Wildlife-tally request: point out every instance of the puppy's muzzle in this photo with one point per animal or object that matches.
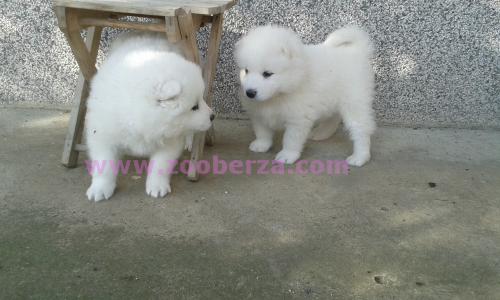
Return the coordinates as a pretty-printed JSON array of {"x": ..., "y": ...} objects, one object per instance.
[{"x": 251, "y": 93}]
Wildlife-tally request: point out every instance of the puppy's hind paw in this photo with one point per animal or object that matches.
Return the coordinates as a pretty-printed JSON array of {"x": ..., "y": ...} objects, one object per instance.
[
  {"x": 100, "y": 190},
  {"x": 358, "y": 160},
  {"x": 287, "y": 156},
  {"x": 260, "y": 145}
]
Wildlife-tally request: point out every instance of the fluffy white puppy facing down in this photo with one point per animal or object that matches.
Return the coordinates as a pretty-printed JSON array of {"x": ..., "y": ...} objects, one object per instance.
[
  {"x": 144, "y": 100},
  {"x": 306, "y": 89}
]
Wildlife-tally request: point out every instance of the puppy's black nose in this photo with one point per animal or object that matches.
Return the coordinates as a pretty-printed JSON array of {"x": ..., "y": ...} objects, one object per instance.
[
  {"x": 251, "y": 93},
  {"x": 212, "y": 117}
]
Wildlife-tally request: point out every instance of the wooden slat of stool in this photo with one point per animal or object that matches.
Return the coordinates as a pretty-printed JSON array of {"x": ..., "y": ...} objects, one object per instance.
[{"x": 109, "y": 22}]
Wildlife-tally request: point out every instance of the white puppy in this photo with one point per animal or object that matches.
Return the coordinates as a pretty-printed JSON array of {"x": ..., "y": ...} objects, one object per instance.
[
  {"x": 144, "y": 101},
  {"x": 306, "y": 89}
]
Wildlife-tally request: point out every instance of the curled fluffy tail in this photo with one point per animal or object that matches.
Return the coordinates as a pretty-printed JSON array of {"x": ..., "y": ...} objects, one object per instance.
[{"x": 351, "y": 36}]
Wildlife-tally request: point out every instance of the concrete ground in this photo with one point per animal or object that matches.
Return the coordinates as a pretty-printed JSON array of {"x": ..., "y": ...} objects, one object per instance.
[{"x": 420, "y": 221}]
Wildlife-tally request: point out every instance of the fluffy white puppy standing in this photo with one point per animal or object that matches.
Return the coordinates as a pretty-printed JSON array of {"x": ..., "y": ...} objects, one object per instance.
[
  {"x": 144, "y": 100},
  {"x": 307, "y": 89}
]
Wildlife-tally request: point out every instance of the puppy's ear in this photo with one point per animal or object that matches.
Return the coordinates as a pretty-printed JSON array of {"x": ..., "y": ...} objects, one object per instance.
[
  {"x": 169, "y": 90},
  {"x": 167, "y": 93}
]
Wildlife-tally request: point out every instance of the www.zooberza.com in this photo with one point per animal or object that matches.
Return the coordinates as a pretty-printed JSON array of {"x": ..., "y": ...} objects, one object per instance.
[{"x": 217, "y": 166}]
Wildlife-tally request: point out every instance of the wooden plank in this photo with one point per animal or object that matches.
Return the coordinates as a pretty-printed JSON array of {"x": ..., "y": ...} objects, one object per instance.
[
  {"x": 75, "y": 125},
  {"x": 103, "y": 22},
  {"x": 117, "y": 15},
  {"x": 151, "y": 7}
]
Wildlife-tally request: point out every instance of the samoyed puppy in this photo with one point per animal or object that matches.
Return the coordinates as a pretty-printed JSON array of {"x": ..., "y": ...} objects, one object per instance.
[
  {"x": 144, "y": 101},
  {"x": 306, "y": 90}
]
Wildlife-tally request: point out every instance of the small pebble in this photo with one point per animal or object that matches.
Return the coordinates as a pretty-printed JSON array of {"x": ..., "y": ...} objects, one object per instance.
[{"x": 432, "y": 184}]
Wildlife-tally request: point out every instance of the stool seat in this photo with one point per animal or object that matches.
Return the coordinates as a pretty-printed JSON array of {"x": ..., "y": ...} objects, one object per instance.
[{"x": 150, "y": 7}]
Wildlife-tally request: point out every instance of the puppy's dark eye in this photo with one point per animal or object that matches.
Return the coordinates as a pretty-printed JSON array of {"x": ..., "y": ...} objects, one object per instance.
[
  {"x": 267, "y": 74},
  {"x": 246, "y": 71},
  {"x": 196, "y": 107}
]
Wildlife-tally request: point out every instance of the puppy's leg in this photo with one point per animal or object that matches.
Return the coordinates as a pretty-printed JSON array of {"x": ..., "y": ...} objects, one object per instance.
[
  {"x": 293, "y": 142},
  {"x": 263, "y": 137},
  {"x": 325, "y": 129},
  {"x": 188, "y": 145},
  {"x": 104, "y": 170},
  {"x": 160, "y": 169},
  {"x": 359, "y": 121}
]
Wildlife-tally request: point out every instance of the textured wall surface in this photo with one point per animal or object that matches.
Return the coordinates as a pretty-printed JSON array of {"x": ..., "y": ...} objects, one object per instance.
[{"x": 437, "y": 62}]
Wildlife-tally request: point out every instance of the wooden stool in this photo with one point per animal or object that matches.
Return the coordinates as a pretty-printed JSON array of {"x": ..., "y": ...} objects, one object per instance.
[{"x": 180, "y": 20}]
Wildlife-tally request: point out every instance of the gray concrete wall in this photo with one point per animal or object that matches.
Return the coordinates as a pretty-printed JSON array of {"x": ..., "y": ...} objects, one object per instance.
[{"x": 437, "y": 62}]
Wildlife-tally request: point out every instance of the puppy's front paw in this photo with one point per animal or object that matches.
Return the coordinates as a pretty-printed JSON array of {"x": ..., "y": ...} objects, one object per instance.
[
  {"x": 287, "y": 156},
  {"x": 188, "y": 145},
  {"x": 358, "y": 160},
  {"x": 260, "y": 145},
  {"x": 157, "y": 187},
  {"x": 100, "y": 190}
]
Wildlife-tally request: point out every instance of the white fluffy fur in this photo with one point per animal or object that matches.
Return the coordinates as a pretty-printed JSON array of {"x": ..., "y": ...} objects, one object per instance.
[
  {"x": 140, "y": 103},
  {"x": 312, "y": 88}
]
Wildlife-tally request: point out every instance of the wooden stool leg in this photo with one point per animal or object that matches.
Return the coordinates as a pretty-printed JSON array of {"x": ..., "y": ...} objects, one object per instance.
[
  {"x": 192, "y": 52},
  {"x": 190, "y": 47},
  {"x": 85, "y": 54},
  {"x": 182, "y": 28},
  {"x": 76, "y": 121},
  {"x": 210, "y": 136},
  {"x": 209, "y": 69}
]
